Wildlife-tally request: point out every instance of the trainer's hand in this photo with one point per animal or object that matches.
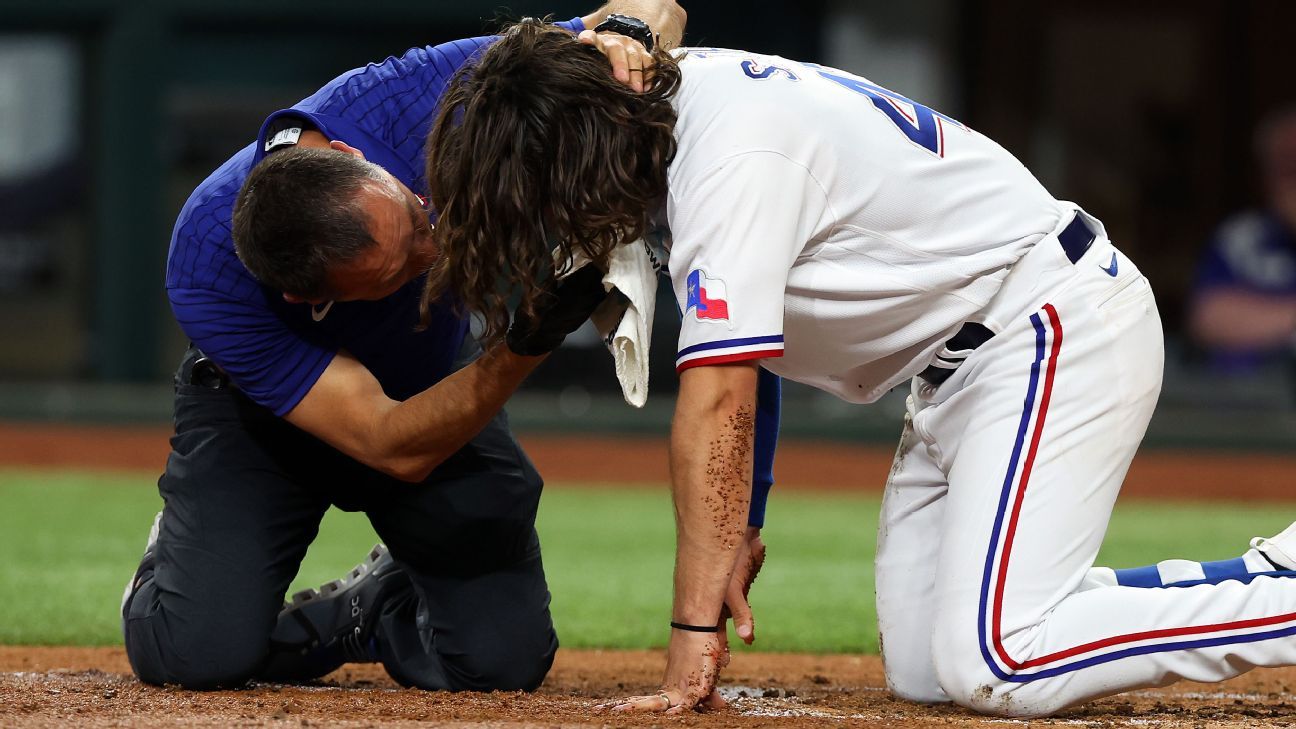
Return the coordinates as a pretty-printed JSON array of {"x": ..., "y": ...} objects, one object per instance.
[
  {"x": 751, "y": 556},
  {"x": 559, "y": 312},
  {"x": 632, "y": 64},
  {"x": 692, "y": 667}
]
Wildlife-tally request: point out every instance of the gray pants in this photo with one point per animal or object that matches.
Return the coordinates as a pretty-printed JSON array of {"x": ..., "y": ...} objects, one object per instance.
[{"x": 245, "y": 492}]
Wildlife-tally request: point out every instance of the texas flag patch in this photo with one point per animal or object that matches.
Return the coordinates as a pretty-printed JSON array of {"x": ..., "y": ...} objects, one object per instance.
[{"x": 707, "y": 297}]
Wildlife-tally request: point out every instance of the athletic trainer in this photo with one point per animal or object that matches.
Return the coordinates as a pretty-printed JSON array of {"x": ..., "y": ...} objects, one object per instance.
[{"x": 310, "y": 382}]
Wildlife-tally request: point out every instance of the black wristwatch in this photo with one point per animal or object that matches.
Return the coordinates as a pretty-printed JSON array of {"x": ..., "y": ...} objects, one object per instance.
[{"x": 629, "y": 27}]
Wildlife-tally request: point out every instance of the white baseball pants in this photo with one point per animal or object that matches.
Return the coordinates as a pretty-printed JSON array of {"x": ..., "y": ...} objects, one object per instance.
[{"x": 1000, "y": 495}]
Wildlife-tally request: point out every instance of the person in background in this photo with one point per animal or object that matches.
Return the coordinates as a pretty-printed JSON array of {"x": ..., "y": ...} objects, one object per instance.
[{"x": 1244, "y": 308}]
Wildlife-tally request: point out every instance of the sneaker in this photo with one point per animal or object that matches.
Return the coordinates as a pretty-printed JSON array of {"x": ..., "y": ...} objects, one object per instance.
[
  {"x": 320, "y": 629},
  {"x": 145, "y": 566},
  {"x": 1279, "y": 550}
]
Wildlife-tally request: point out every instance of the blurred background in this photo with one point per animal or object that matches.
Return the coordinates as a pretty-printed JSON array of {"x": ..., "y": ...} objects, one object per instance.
[
  {"x": 1145, "y": 113},
  {"x": 1163, "y": 118}
]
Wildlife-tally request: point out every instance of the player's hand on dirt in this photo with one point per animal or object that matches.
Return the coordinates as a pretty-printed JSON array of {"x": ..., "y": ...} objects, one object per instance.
[
  {"x": 693, "y": 665},
  {"x": 751, "y": 556},
  {"x": 632, "y": 64},
  {"x": 559, "y": 312}
]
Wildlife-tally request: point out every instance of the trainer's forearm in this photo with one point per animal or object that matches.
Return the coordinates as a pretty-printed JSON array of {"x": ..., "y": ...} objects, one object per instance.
[
  {"x": 711, "y": 466},
  {"x": 665, "y": 17},
  {"x": 417, "y": 435}
]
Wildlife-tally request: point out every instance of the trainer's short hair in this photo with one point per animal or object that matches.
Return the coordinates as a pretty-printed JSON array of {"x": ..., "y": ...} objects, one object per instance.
[{"x": 296, "y": 217}]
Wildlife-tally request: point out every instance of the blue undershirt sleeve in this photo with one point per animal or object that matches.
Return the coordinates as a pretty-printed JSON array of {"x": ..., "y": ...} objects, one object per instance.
[
  {"x": 574, "y": 25},
  {"x": 769, "y": 396}
]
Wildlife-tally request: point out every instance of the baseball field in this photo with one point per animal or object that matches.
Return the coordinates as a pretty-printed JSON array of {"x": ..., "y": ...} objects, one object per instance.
[{"x": 77, "y": 503}]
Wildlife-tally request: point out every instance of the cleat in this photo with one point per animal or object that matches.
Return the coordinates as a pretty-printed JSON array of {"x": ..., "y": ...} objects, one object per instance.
[
  {"x": 146, "y": 566},
  {"x": 320, "y": 629},
  {"x": 1280, "y": 550}
]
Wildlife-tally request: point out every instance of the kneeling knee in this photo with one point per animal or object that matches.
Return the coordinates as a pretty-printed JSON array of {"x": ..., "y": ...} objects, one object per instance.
[
  {"x": 993, "y": 691},
  {"x": 525, "y": 674},
  {"x": 515, "y": 670},
  {"x": 511, "y": 668},
  {"x": 203, "y": 673},
  {"x": 976, "y": 674},
  {"x": 911, "y": 677},
  {"x": 980, "y": 691},
  {"x": 968, "y": 678},
  {"x": 196, "y": 664}
]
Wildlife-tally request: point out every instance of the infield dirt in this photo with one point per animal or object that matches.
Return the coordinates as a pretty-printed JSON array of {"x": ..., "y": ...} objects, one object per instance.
[
  {"x": 85, "y": 687},
  {"x": 584, "y": 459}
]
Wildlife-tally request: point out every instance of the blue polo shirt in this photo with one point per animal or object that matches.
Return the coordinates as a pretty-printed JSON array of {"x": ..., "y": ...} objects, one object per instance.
[{"x": 275, "y": 351}]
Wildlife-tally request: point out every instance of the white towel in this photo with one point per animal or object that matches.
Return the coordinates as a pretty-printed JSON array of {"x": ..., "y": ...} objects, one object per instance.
[{"x": 625, "y": 320}]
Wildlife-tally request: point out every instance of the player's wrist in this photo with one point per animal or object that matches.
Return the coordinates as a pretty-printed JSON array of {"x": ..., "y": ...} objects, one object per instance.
[{"x": 695, "y": 627}]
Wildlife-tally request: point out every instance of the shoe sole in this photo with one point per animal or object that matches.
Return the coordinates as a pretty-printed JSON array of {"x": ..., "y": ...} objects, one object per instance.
[
  {"x": 154, "y": 530},
  {"x": 311, "y": 594}
]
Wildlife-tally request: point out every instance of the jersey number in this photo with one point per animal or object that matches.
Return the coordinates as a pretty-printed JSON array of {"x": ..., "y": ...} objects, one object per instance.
[
  {"x": 757, "y": 71},
  {"x": 923, "y": 127}
]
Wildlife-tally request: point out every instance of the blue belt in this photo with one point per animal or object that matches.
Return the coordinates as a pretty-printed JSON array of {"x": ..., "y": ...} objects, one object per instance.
[{"x": 1075, "y": 240}]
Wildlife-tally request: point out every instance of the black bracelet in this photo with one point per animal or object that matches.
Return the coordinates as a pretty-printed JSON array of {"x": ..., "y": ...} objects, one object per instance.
[{"x": 695, "y": 628}]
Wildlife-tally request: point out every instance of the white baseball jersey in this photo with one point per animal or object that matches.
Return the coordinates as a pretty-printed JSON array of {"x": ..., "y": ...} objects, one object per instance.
[
  {"x": 831, "y": 227},
  {"x": 842, "y": 233}
]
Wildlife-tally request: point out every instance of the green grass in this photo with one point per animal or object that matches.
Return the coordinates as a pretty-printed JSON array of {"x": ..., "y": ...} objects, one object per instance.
[
  {"x": 609, "y": 555},
  {"x": 69, "y": 541}
]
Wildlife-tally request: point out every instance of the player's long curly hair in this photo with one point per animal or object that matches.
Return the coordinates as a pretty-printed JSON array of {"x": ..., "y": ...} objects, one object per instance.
[{"x": 537, "y": 146}]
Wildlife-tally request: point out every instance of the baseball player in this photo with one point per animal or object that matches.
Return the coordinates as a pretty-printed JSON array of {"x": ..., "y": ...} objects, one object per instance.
[
  {"x": 296, "y": 270},
  {"x": 837, "y": 233}
]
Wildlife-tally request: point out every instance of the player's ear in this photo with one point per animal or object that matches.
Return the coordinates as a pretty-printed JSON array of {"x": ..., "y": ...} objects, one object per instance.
[
  {"x": 342, "y": 146},
  {"x": 293, "y": 299}
]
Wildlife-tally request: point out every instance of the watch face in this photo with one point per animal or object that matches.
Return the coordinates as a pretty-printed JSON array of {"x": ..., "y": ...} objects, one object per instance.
[
  {"x": 628, "y": 26},
  {"x": 635, "y": 23}
]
